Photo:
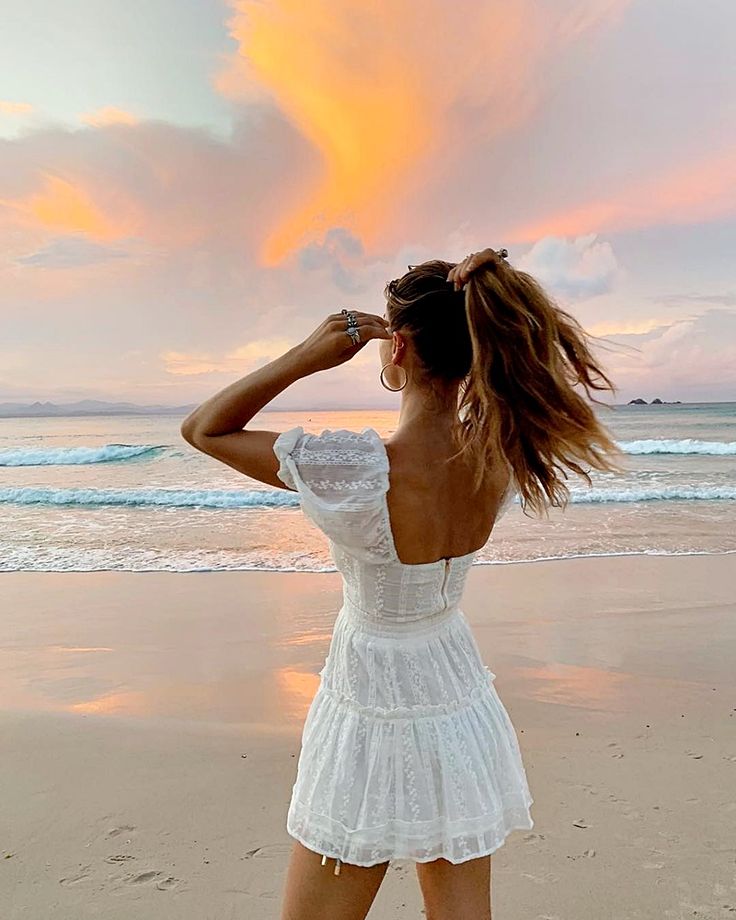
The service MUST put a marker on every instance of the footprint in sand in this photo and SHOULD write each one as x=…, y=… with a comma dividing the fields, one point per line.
x=533, y=838
x=694, y=755
x=118, y=858
x=270, y=851
x=163, y=882
x=117, y=831
x=588, y=787
x=632, y=815
x=77, y=878
x=718, y=846
x=541, y=879
x=143, y=878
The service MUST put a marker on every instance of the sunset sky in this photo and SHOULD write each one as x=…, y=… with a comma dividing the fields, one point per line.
x=188, y=186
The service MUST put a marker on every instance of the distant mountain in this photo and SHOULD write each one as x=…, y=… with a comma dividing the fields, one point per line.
x=86, y=407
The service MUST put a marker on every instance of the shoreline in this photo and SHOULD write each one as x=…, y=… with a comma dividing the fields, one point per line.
x=333, y=570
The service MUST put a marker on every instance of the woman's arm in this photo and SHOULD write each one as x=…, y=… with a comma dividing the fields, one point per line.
x=216, y=427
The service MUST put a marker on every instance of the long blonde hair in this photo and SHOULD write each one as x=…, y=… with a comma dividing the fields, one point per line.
x=520, y=360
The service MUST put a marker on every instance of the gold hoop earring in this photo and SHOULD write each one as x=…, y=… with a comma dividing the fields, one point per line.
x=383, y=382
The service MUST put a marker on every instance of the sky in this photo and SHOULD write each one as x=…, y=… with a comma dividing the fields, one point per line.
x=187, y=188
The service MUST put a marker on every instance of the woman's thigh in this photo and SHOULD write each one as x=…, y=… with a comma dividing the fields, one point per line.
x=313, y=890
x=456, y=892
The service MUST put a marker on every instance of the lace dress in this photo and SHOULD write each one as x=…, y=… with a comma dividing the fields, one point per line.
x=407, y=750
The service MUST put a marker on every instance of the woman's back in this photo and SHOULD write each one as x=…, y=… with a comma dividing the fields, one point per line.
x=433, y=508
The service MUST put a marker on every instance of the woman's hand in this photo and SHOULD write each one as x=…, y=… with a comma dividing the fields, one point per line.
x=330, y=344
x=463, y=270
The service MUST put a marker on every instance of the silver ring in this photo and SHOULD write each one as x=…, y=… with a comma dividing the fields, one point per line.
x=352, y=325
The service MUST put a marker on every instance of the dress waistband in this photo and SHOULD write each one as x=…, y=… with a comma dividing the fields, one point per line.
x=387, y=625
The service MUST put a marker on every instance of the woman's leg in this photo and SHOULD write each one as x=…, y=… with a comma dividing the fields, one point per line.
x=456, y=892
x=313, y=890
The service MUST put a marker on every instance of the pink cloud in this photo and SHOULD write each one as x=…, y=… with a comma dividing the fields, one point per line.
x=701, y=190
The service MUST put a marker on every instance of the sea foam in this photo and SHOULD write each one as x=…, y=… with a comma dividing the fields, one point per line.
x=74, y=456
x=281, y=498
x=681, y=446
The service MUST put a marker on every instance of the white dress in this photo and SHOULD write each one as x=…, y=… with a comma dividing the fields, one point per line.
x=407, y=750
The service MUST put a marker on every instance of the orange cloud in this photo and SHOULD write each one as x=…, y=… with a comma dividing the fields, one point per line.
x=109, y=115
x=240, y=360
x=636, y=327
x=380, y=96
x=699, y=191
x=67, y=207
x=15, y=108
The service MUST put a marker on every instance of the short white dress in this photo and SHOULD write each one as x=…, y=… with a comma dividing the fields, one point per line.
x=407, y=750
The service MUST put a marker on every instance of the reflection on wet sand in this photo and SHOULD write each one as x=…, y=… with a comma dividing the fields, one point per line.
x=571, y=685
x=281, y=697
x=226, y=648
x=246, y=648
x=297, y=689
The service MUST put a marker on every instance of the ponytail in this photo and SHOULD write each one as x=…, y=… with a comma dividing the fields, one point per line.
x=528, y=355
x=518, y=358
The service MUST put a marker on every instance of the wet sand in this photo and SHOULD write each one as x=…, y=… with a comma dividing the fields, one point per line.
x=150, y=729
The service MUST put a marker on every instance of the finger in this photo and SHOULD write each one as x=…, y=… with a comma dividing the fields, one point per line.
x=461, y=275
x=467, y=268
x=363, y=315
x=372, y=330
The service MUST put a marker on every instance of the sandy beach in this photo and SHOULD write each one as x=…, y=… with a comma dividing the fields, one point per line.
x=151, y=722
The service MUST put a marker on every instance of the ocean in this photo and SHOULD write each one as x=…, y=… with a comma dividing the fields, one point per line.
x=127, y=493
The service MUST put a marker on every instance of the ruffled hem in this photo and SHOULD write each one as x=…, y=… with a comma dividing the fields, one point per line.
x=416, y=711
x=455, y=841
x=372, y=789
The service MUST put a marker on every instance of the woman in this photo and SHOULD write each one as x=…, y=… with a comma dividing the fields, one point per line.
x=407, y=750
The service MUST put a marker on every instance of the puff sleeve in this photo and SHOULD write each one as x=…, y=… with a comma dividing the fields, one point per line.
x=341, y=477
